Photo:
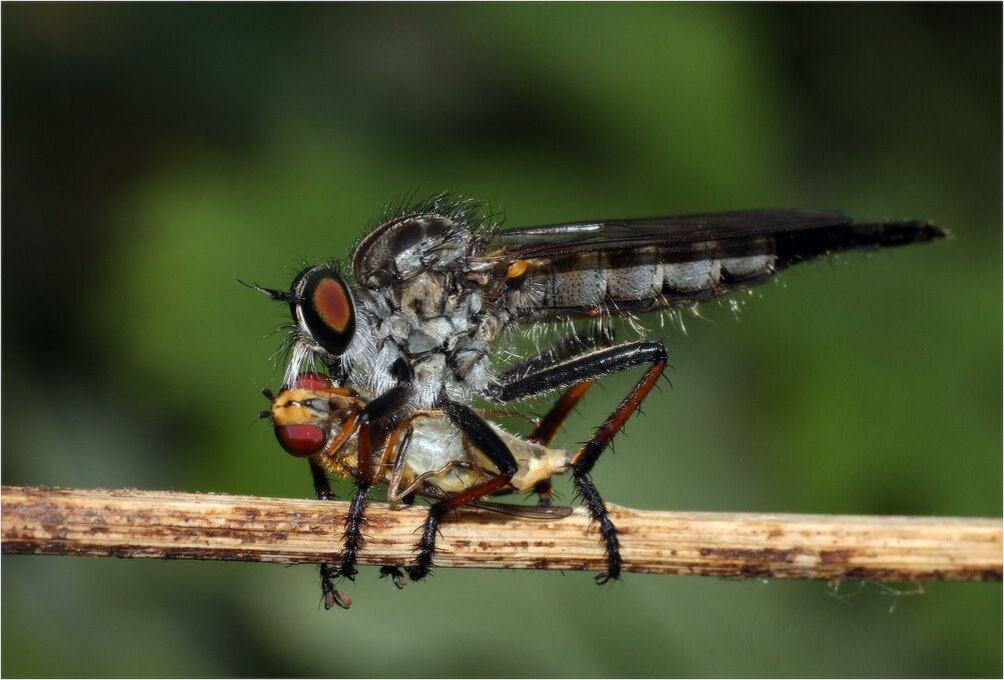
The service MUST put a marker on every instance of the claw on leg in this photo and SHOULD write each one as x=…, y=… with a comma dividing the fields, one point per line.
x=330, y=596
x=395, y=574
x=336, y=597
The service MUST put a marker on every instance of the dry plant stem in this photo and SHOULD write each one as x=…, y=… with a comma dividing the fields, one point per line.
x=130, y=523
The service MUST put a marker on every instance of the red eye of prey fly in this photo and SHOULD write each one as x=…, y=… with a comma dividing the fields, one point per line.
x=309, y=380
x=300, y=440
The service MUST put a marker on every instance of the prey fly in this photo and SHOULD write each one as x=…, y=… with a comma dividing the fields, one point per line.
x=424, y=455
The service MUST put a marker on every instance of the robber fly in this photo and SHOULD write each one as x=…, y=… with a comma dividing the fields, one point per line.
x=432, y=290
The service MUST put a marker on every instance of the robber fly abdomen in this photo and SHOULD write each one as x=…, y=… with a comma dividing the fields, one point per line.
x=637, y=274
x=636, y=282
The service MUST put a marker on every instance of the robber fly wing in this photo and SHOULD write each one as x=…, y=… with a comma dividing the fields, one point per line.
x=641, y=264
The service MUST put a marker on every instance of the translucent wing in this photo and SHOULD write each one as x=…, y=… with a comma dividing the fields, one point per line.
x=683, y=237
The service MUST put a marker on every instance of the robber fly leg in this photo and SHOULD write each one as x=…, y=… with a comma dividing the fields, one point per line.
x=551, y=423
x=352, y=538
x=394, y=573
x=578, y=370
x=548, y=428
x=567, y=347
x=484, y=438
x=329, y=595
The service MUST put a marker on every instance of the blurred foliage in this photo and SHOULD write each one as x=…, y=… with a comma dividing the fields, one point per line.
x=152, y=154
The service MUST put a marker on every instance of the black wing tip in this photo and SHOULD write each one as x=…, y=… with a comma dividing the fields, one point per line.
x=933, y=232
x=902, y=232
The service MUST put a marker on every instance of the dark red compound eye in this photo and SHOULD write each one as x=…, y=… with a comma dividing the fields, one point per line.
x=323, y=307
x=300, y=440
x=311, y=381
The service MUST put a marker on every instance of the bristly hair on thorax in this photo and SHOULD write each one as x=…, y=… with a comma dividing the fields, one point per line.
x=479, y=217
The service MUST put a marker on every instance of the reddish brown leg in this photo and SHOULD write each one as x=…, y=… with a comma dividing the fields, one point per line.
x=548, y=427
x=552, y=422
x=352, y=537
x=586, y=457
x=590, y=367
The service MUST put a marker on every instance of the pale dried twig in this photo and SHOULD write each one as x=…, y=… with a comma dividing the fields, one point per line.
x=131, y=523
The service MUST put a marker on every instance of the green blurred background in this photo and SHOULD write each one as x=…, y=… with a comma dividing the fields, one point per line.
x=153, y=154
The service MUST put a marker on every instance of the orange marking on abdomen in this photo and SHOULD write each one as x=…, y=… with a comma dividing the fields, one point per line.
x=516, y=269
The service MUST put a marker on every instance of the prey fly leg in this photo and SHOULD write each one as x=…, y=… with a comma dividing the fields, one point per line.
x=548, y=426
x=393, y=572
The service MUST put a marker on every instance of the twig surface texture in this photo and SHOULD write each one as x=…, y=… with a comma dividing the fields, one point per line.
x=131, y=523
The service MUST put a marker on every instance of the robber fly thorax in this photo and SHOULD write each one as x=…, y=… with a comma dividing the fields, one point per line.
x=415, y=300
x=426, y=454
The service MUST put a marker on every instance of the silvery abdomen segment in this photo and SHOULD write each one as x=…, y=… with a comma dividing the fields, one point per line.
x=596, y=282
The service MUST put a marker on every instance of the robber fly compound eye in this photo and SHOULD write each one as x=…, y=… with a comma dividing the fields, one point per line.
x=323, y=309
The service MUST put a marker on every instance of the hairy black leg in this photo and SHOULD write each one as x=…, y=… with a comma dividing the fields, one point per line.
x=562, y=349
x=482, y=437
x=352, y=537
x=383, y=406
x=544, y=491
x=598, y=510
x=329, y=595
x=394, y=573
x=585, y=368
